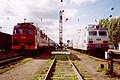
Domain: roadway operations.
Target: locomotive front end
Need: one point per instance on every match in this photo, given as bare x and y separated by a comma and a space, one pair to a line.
23, 37
97, 40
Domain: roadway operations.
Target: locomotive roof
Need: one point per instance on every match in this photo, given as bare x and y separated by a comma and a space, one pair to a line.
24, 25
95, 27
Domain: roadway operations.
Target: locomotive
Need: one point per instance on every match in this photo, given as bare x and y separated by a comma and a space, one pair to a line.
26, 36
93, 40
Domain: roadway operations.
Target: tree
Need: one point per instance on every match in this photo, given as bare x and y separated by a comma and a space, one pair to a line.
113, 26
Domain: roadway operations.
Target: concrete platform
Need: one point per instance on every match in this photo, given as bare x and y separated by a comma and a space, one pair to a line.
60, 52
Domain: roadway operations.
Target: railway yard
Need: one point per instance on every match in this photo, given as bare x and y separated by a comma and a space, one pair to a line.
47, 66
60, 40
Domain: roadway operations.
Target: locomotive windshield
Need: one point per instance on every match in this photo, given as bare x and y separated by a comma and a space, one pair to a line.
102, 33
18, 31
92, 33
22, 31
27, 31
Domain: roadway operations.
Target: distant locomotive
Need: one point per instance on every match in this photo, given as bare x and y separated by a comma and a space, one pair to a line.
27, 36
5, 41
93, 39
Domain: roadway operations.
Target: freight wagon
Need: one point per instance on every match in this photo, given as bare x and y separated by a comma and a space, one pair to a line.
5, 41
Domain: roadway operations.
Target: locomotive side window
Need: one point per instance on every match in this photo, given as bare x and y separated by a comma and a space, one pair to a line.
92, 33
102, 33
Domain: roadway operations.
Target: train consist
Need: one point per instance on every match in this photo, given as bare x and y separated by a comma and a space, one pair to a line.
26, 36
5, 41
93, 39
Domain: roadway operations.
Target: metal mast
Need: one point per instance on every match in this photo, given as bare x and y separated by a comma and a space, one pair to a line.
61, 27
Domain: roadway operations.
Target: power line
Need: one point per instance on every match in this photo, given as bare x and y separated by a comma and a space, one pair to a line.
98, 2
115, 11
101, 11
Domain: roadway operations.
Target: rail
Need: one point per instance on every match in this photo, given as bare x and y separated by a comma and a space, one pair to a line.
51, 71
75, 70
9, 60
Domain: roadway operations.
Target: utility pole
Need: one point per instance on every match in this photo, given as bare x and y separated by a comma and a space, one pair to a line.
61, 27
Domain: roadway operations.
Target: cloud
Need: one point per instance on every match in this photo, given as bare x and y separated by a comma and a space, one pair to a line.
80, 2
70, 13
47, 10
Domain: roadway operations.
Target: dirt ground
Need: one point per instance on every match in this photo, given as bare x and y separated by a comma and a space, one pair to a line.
23, 72
91, 65
26, 70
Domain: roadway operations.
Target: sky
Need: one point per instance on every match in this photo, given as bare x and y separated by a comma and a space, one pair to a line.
45, 14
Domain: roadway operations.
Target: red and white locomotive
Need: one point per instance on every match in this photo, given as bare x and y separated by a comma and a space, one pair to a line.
27, 36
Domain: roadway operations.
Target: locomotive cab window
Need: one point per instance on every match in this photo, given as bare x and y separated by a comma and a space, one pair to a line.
92, 33
102, 33
30, 31
18, 31
27, 31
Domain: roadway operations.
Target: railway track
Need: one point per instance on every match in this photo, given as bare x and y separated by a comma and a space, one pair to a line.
5, 61
63, 70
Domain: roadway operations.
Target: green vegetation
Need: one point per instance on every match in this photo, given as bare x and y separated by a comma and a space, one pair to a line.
104, 69
40, 75
60, 73
61, 57
113, 26
26, 60
73, 57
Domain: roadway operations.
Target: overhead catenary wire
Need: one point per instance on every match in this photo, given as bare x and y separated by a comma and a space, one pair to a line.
115, 9
102, 11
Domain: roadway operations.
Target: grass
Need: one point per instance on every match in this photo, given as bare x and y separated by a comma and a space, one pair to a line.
26, 60
61, 57
104, 69
40, 75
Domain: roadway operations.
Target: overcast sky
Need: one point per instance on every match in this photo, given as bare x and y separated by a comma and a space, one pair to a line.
44, 13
